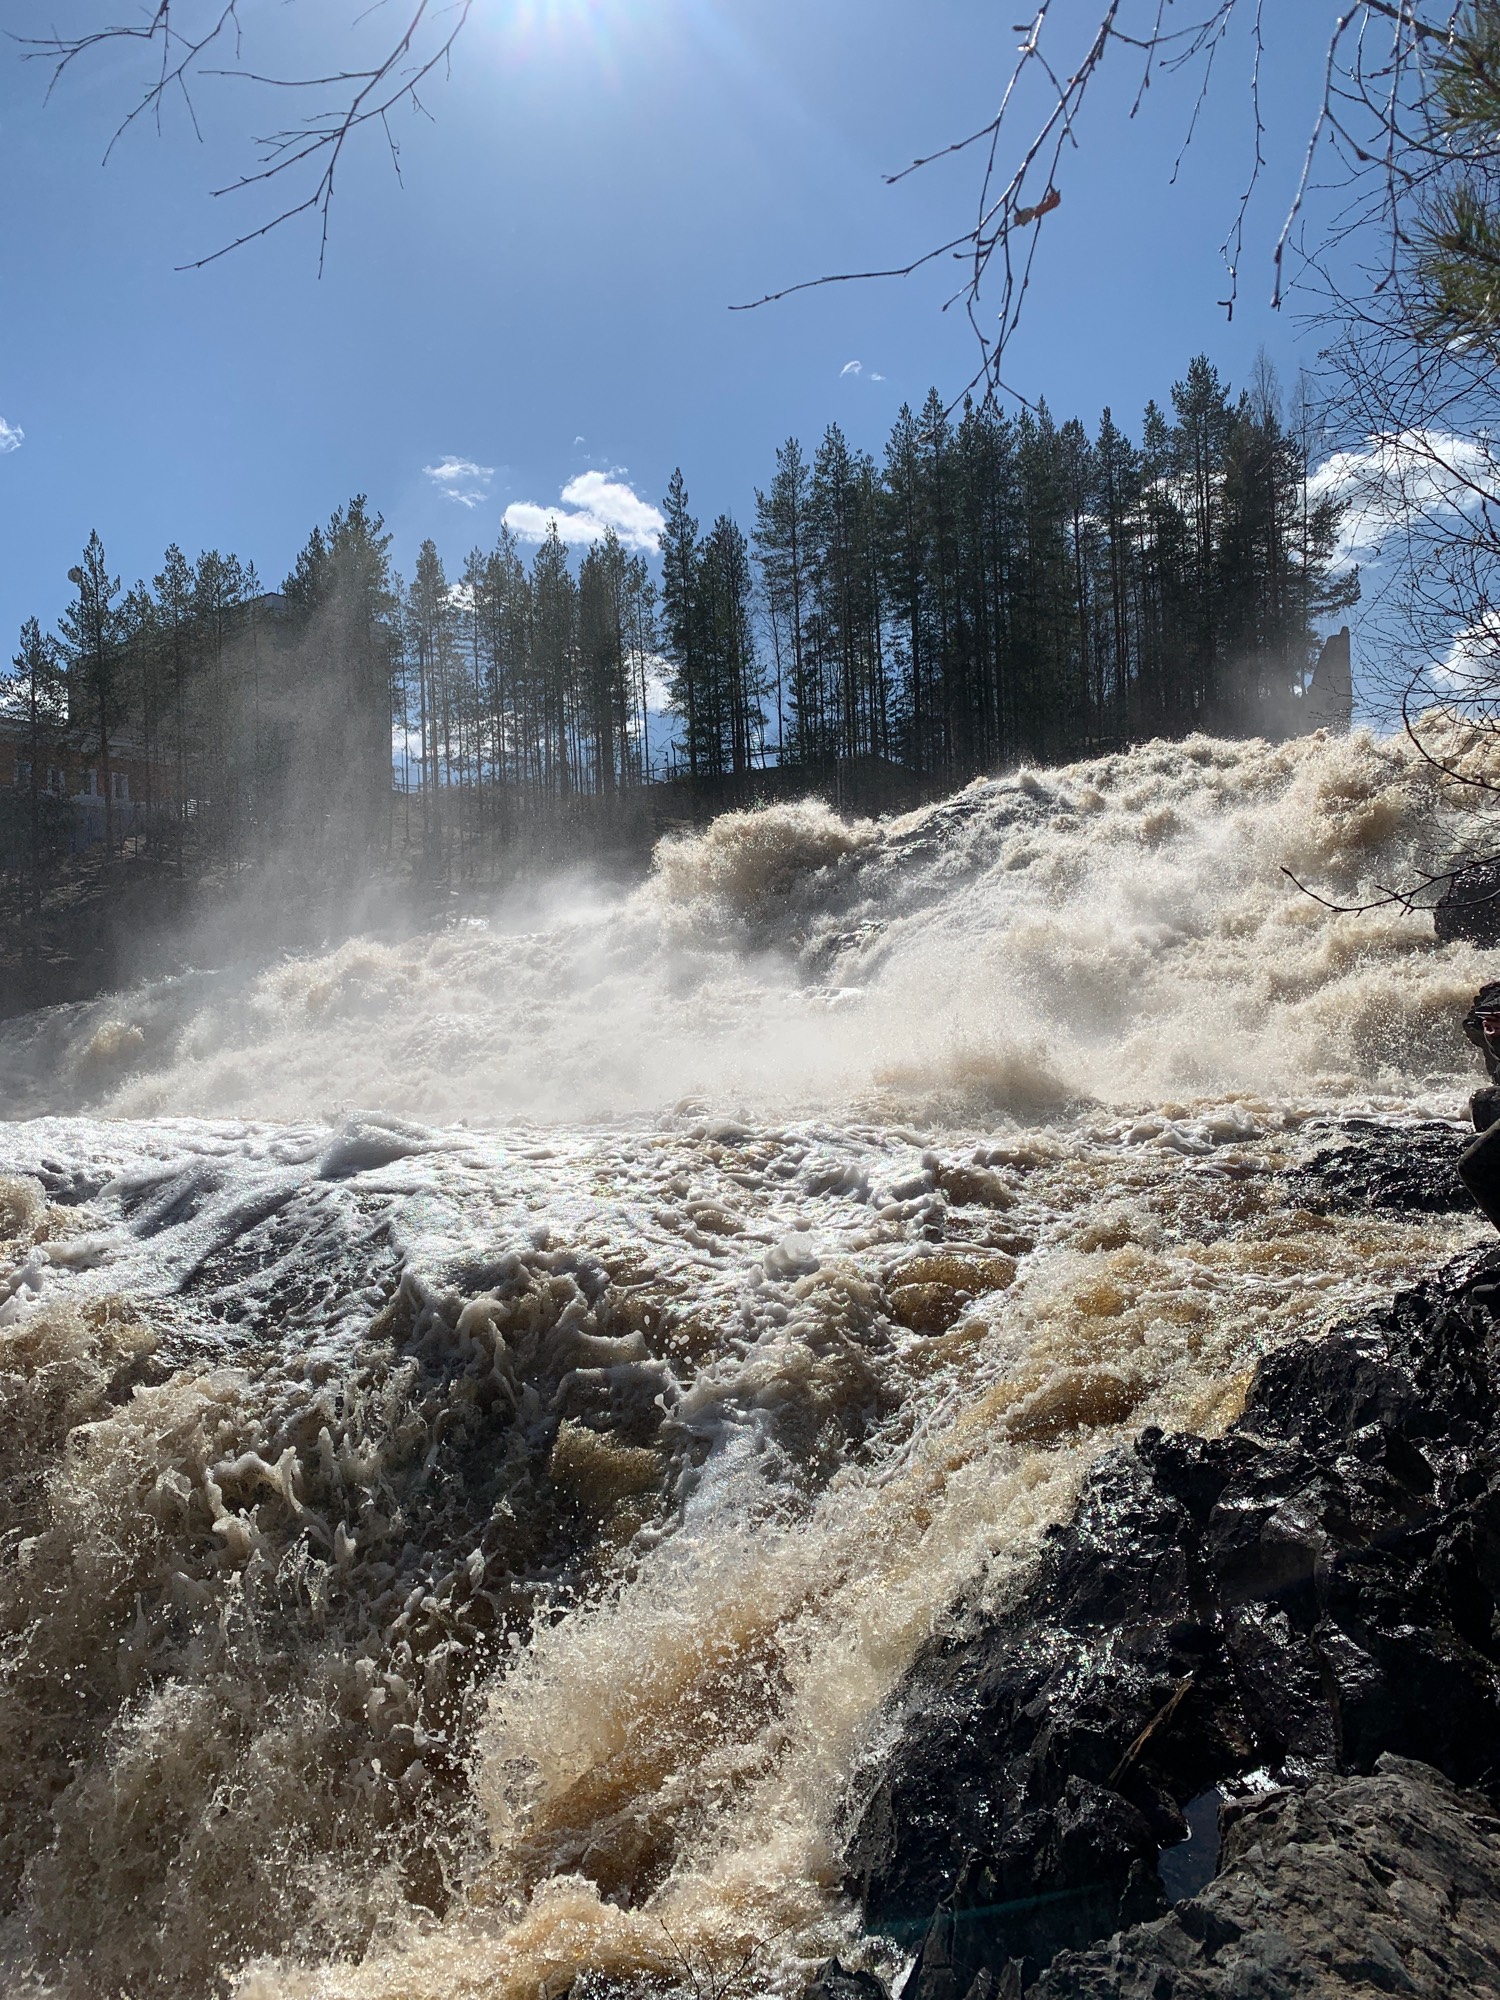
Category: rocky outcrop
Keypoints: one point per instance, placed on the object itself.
(1381, 1884)
(839, 1982)
(1468, 910)
(1398, 1169)
(1274, 1611)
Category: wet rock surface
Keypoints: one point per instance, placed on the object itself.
(1381, 1884)
(1274, 1611)
(1469, 908)
(1391, 1168)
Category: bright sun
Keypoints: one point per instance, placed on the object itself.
(530, 26)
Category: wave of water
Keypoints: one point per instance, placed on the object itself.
(466, 1546)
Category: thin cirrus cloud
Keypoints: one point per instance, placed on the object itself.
(11, 436)
(591, 504)
(461, 480)
(858, 368)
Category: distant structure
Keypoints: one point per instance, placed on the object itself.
(1297, 705)
(73, 775)
(1328, 698)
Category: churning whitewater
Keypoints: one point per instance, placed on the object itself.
(486, 1423)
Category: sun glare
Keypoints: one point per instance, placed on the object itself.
(529, 28)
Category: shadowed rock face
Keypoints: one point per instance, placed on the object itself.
(1469, 908)
(1297, 1599)
(1404, 1169)
(1382, 1884)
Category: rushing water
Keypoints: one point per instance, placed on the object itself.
(485, 1423)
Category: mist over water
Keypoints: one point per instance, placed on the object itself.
(1114, 930)
(488, 1420)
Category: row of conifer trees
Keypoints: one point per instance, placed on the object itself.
(994, 588)
(1003, 588)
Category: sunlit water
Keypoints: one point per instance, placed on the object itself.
(485, 1423)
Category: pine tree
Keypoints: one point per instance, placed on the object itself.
(938, 497)
(346, 632)
(218, 590)
(906, 581)
(731, 669)
(37, 692)
(679, 602)
(174, 610)
(603, 586)
(1117, 468)
(143, 677)
(781, 544)
(430, 637)
(555, 662)
(506, 615)
(90, 629)
(1201, 435)
(1457, 292)
(641, 642)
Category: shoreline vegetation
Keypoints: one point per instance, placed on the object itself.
(993, 592)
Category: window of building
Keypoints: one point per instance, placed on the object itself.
(121, 785)
(55, 780)
(23, 770)
(91, 783)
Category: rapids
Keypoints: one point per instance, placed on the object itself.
(485, 1423)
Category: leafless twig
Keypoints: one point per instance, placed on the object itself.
(184, 35)
(1368, 117)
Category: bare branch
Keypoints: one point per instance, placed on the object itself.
(307, 154)
(1368, 118)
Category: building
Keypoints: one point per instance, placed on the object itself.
(76, 774)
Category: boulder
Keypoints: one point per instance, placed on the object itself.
(1405, 1169)
(1468, 911)
(1352, 1886)
(1307, 1594)
(834, 1981)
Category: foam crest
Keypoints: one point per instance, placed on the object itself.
(1116, 929)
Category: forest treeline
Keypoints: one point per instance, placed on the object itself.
(992, 588)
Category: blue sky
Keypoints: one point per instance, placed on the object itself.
(544, 298)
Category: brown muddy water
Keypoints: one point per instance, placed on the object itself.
(485, 1424)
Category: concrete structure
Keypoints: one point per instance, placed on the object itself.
(1328, 699)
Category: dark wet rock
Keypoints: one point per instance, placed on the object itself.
(1312, 1591)
(1356, 1885)
(1406, 1168)
(67, 1183)
(834, 1981)
(823, 953)
(1468, 911)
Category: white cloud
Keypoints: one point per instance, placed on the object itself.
(852, 368)
(591, 504)
(1467, 671)
(11, 436)
(1391, 483)
(461, 480)
(658, 684)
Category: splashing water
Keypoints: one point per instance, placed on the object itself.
(467, 1547)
